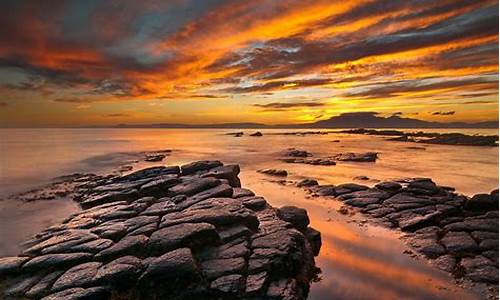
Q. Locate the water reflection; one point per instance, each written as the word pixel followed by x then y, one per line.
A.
pixel 357 262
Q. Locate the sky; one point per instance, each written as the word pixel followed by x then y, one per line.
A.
pixel 93 62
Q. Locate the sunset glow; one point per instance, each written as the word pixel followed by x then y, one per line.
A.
pixel 80 63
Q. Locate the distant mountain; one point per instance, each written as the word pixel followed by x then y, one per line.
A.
pixel 346 120
pixel 372 120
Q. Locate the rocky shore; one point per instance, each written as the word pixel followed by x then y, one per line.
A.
pixel 188 232
pixel 431 138
pixel 457 233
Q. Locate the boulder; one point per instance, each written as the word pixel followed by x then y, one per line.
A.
pixel 78 276
pixel 202 165
pixel 191 235
pixel 296 216
pixel 459 242
pixel 274 172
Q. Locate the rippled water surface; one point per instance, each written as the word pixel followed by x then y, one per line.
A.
pixel 357 262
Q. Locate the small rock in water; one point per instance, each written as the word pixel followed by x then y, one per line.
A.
pixel 274 172
pixel 154 157
pixel 343 210
pixel 257 133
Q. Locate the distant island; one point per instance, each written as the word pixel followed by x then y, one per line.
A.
pixel 345 120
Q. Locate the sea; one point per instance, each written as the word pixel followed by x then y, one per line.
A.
pixel 358 261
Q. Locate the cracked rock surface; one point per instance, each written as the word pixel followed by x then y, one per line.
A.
pixel 188 232
pixel 458 234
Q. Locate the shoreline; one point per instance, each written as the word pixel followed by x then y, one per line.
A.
pixel 440 234
pixel 307 187
pixel 192 226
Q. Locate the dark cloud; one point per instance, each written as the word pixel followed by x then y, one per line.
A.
pixel 391 89
pixel 285 57
pixel 443 113
pixel 117 115
pixel 278 106
pixel 74 100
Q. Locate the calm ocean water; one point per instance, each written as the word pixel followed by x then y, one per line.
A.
pixel 29 157
pixel 357 262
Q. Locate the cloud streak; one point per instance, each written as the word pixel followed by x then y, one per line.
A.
pixel 111 52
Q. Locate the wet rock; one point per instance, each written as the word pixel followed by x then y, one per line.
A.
pixel 324 190
pixel 230 284
pixel 42 288
pixel 162 207
pixel 20 285
pixel 11 265
pixel 56 260
pixel 274 172
pixel 446 263
pixel 193 186
pixel 314 238
pixel 78 276
pixel 202 165
pixel 92 201
pixel 459 242
pixel 283 289
pixel 232 232
pixel 362 202
pixel 325 161
pixel 475 224
pixel 154 157
pixel 110 230
pixel 357 157
pixel 129 245
pixel 480 269
pixel 150 172
pixel 159 186
pixel 122 271
pixel 173 270
pixel 257 133
pixel 93 293
pixel 190 235
pixel 239 242
pixel 292 152
pixel 241 192
pixel 254 203
pixel 219 267
pixel 294 215
pixel 349 188
pixel 307 182
pixel 389 185
pixel 417 222
pixel 228 172
pixel 481 202
pixel 256 283
pixel 215 211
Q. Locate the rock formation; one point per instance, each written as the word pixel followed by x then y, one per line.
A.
pixel 188 232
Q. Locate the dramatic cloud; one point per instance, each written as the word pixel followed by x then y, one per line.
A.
pixel 227 56
pixel 277 106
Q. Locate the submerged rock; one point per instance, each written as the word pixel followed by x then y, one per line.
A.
pixel 274 172
pixel 257 133
pixel 191 232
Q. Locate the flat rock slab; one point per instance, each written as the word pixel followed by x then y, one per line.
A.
pixel 189 231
